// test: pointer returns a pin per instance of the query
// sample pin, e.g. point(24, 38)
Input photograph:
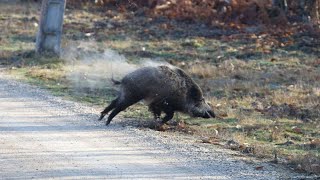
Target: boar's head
point(197, 106)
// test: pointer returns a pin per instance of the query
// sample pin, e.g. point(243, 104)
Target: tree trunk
point(282, 4)
point(50, 26)
point(317, 9)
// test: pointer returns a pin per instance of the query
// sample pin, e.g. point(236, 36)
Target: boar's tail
point(115, 81)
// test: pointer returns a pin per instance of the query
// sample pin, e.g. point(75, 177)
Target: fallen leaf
point(297, 130)
point(211, 140)
point(181, 125)
point(314, 143)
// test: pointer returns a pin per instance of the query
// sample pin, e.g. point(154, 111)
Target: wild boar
point(163, 89)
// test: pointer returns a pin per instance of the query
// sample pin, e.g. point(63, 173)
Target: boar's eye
point(199, 102)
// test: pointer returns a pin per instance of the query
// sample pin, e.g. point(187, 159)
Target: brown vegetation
point(211, 11)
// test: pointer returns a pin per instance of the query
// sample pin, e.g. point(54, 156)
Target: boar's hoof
point(107, 123)
point(101, 116)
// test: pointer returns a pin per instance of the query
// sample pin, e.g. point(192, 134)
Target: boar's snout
point(209, 114)
point(203, 110)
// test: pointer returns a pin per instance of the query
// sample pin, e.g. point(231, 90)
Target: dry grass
point(275, 104)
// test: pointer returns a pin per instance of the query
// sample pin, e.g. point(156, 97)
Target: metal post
point(50, 26)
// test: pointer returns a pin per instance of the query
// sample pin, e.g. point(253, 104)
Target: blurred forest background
point(209, 11)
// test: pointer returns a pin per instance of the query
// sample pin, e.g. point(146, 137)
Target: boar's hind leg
point(120, 106)
point(109, 108)
point(167, 117)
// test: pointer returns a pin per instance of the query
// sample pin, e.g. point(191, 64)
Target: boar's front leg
point(168, 116)
point(156, 111)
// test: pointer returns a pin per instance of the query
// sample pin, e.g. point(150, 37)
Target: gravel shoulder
point(45, 137)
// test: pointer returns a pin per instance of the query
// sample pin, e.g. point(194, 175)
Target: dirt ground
point(44, 137)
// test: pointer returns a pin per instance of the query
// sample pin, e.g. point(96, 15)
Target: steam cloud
point(91, 67)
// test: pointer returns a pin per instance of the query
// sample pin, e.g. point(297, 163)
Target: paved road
point(46, 137)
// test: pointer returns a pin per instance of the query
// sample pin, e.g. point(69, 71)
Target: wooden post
point(50, 26)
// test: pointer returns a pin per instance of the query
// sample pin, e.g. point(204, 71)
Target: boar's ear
point(194, 93)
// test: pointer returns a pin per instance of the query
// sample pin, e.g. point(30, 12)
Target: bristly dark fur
point(164, 89)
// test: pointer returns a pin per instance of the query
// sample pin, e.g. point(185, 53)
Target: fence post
point(50, 26)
